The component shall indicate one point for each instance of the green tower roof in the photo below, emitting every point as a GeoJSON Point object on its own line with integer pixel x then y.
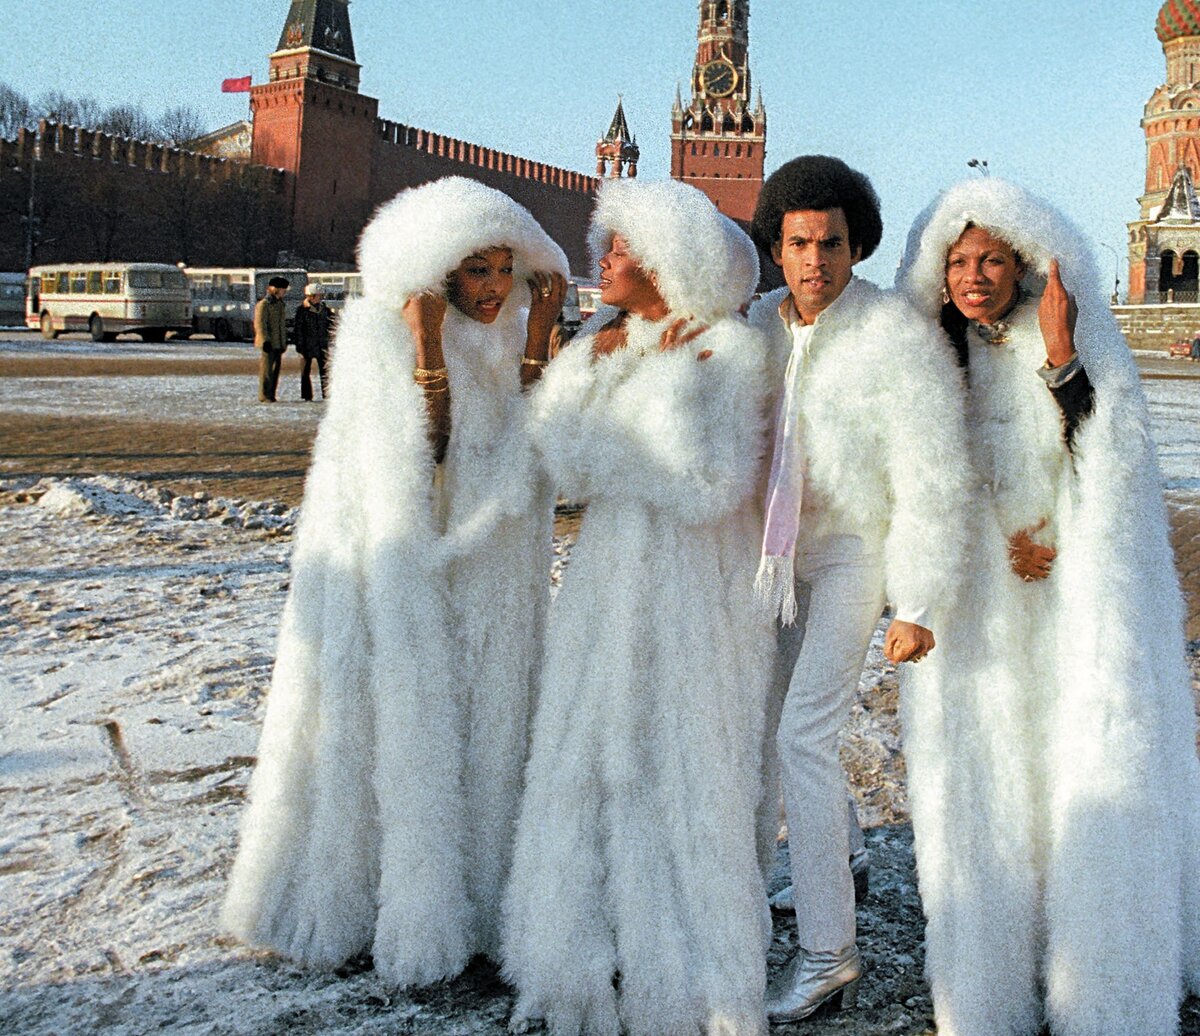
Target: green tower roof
{"type": "Point", "coordinates": [321, 24]}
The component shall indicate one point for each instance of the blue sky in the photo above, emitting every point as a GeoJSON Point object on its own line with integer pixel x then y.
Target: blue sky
{"type": "Point", "coordinates": [907, 90]}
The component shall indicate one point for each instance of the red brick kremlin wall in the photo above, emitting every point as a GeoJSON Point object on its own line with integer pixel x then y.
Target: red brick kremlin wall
{"type": "Point", "coordinates": [98, 196]}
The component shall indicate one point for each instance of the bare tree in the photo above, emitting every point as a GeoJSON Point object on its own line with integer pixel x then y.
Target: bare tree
{"type": "Point", "coordinates": [71, 111]}
{"type": "Point", "coordinates": [179, 124]}
{"type": "Point", "coordinates": [15, 112]}
{"type": "Point", "coordinates": [127, 120]}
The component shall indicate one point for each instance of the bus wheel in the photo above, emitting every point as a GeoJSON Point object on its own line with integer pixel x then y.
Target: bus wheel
{"type": "Point", "coordinates": [221, 330]}
{"type": "Point", "coordinates": [96, 329]}
{"type": "Point", "coordinates": [154, 334]}
{"type": "Point", "coordinates": [48, 331]}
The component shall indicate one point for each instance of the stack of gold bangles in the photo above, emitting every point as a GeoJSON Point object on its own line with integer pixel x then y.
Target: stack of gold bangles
{"type": "Point", "coordinates": [529, 361]}
{"type": "Point", "coordinates": [428, 379]}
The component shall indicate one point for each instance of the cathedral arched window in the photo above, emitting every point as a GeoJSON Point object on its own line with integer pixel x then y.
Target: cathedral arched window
{"type": "Point", "coordinates": [727, 124]}
{"type": "Point", "coordinates": [747, 124]}
{"type": "Point", "coordinates": [722, 12]}
{"type": "Point", "coordinates": [706, 123]}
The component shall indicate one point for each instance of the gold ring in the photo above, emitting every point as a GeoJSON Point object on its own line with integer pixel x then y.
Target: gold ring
{"type": "Point", "coordinates": [545, 293]}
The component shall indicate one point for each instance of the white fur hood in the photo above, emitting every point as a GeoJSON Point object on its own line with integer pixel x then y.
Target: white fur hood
{"type": "Point", "coordinates": [423, 233]}
{"type": "Point", "coordinates": [1038, 232]}
{"type": "Point", "coordinates": [704, 263]}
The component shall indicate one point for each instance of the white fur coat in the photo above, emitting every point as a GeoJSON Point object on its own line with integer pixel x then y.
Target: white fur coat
{"type": "Point", "coordinates": [881, 403]}
{"type": "Point", "coordinates": [1050, 737]}
{"type": "Point", "coordinates": [636, 851]}
{"type": "Point", "coordinates": [382, 809]}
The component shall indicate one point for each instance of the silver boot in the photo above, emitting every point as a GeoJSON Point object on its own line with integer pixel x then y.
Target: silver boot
{"type": "Point", "coordinates": [812, 981]}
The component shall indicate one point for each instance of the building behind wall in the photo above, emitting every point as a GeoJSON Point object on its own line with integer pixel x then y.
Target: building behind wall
{"type": "Point", "coordinates": [1164, 241]}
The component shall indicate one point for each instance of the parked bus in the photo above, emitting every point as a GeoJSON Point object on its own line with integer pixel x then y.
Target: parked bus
{"type": "Point", "coordinates": [223, 298]}
{"type": "Point", "coordinates": [586, 301]}
{"type": "Point", "coordinates": [12, 300]}
{"type": "Point", "coordinates": [338, 288]}
{"type": "Point", "coordinates": [108, 299]}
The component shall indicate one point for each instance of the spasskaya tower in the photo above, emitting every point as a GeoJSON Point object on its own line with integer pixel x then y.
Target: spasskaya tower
{"type": "Point", "coordinates": [718, 141]}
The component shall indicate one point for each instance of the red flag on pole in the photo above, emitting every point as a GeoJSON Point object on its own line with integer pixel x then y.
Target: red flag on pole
{"type": "Point", "coordinates": [236, 86]}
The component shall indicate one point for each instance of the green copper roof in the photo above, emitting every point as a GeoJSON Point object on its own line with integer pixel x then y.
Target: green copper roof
{"type": "Point", "coordinates": [323, 24]}
{"type": "Point", "coordinates": [1178, 18]}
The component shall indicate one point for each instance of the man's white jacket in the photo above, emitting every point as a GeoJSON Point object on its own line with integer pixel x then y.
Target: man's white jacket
{"type": "Point", "coordinates": [881, 402]}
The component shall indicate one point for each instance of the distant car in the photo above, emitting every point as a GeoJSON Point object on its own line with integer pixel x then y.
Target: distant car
{"type": "Point", "coordinates": [1181, 349]}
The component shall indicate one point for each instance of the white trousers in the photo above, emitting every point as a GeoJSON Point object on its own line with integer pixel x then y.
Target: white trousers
{"type": "Point", "coordinates": [840, 595]}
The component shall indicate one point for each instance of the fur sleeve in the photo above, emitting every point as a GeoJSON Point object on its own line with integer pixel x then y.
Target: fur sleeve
{"type": "Point", "coordinates": [679, 434]}
{"type": "Point", "coordinates": [926, 459]}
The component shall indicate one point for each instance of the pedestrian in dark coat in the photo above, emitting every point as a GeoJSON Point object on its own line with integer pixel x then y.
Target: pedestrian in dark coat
{"type": "Point", "coordinates": [270, 336]}
{"type": "Point", "coordinates": [313, 318]}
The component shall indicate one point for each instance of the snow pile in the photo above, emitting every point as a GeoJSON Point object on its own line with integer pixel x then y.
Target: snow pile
{"type": "Point", "coordinates": [101, 495]}
{"type": "Point", "coordinates": [111, 496]}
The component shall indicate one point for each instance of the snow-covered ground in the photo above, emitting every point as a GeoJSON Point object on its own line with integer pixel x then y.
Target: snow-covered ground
{"type": "Point", "coordinates": [137, 631]}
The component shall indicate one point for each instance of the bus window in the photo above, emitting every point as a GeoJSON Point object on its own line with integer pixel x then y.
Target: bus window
{"type": "Point", "coordinates": [62, 284]}
{"type": "Point", "coordinates": [48, 280]}
{"type": "Point", "coordinates": [93, 282]}
{"type": "Point", "coordinates": [112, 283]}
{"type": "Point", "coordinates": [78, 282]}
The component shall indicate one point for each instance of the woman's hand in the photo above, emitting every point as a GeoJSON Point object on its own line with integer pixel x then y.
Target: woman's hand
{"type": "Point", "coordinates": [676, 336]}
{"type": "Point", "coordinates": [547, 292]}
{"type": "Point", "coordinates": [424, 314]}
{"type": "Point", "coordinates": [907, 642]}
{"type": "Point", "coordinates": [1028, 559]}
{"type": "Point", "coordinates": [1057, 314]}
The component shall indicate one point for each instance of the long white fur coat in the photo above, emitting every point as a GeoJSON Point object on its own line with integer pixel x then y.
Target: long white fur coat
{"type": "Point", "coordinates": [636, 851]}
{"type": "Point", "coordinates": [1050, 737]}
{"type": "Point", "coordinates": [383, 805]}
{"type": "Point", "coordinates": [881, 405]}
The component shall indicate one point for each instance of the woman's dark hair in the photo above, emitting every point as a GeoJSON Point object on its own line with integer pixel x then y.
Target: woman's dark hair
{"type": "Point", "coordinates": [822, 183]}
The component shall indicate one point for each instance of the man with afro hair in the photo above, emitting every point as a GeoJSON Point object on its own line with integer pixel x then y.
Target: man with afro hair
{"type": "Point", "coordinates": [868, 483]}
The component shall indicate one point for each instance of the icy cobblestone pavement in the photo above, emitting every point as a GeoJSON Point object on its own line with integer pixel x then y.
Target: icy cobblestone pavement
{"type": "Point", "coordinates": [137, 634]}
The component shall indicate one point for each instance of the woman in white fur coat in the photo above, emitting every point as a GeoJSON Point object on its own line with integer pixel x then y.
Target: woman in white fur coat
{"type": "Point", "coordinates": [1051, 737]}
{"type": "Point", "coordinates": [636, 853]}
{"type": "Point", "coordinates": [383, 807]}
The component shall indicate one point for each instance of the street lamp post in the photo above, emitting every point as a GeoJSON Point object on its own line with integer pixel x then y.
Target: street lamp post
{"type": "Point", "coordinates": [1116, 295]}
{"type": "Point", "coordinates": [30, 219]}
{"type": "Point", "coordinates": [979, 165]}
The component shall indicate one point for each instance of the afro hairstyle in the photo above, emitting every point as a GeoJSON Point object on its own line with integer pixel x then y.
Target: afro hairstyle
{"type": "Point", "coordinates": [818, 182]}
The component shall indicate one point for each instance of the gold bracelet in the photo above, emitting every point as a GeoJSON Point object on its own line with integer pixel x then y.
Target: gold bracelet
{"type": "Point", "coordinates": [429, 391]}
{"type": "Point", "coordinates": [529, 361]}
{"type": "Point", "coordinates": [433, 375]}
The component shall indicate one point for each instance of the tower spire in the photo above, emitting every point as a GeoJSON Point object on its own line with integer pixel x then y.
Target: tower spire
{"type": "Point", "coordinates": [718, 141]}
{"type": "Point", "coordinates": [617, 151]}
{"type": "Point", "coordinates": [316, 43]}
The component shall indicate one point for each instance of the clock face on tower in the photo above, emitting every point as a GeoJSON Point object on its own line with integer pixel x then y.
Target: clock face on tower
{"type": "Point", "coordinates": [719, 78]}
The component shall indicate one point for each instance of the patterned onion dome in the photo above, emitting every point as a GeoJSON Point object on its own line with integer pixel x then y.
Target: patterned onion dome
{"type": "Point", "coordinates": [1178, 18]}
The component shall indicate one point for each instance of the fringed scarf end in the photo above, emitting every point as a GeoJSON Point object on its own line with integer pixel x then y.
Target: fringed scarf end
{"type": "Point", "coordinates": [775, 586]}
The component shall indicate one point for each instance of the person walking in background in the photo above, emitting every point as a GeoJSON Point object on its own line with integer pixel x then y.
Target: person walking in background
{"type": "Point", "coordinates": [270, 336]}
{"type": "Point", "coordinates": [313, 318]}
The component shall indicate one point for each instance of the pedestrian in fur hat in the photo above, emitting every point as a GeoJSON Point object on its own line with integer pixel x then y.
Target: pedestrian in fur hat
{"type": "Point", "coordinates": [382, 810]}
{"type": "Point", "coordinates": [1051, 738]}
{"type": "Point", "coordinates": [636, 851]}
